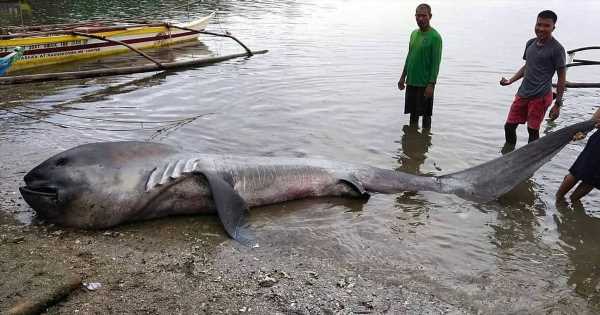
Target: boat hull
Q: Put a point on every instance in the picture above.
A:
(48, 50)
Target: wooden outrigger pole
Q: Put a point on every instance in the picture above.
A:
(120, 71)
(579, 85)
(120, 43)
(169, 25)
(572, 51)
(582, 62)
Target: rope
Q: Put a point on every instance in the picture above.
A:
(170, 124)
(220, 27)
(120, 121)
(218, 22)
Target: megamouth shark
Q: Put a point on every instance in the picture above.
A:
(100, 185)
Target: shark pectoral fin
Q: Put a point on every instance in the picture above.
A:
(231, 208)
(355, 185)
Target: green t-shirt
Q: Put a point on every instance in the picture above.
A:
(423, 58)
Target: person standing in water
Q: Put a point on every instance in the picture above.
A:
(421, 68)
(543, 56)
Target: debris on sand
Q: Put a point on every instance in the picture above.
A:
(38, 304)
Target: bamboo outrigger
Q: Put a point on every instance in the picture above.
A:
(120, 71)
(581, 62)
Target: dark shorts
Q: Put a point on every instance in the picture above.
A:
(587, 166)
(416, 103)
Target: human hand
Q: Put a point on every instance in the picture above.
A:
(579, 136)
(429, 91)
(504, 81)
(401, 85)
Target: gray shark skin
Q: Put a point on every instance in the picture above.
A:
(100, 185)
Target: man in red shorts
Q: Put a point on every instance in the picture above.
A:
(543, 56)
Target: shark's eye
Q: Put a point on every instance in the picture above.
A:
(61, 162)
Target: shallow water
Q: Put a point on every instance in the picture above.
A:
(327, 89)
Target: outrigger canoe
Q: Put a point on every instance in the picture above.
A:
(65, 43)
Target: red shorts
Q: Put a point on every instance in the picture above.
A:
(530, 110)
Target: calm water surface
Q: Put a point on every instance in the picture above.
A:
(327, 89)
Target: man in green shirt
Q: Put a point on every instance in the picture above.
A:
(421, 68)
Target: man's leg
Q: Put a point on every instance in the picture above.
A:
(516, 115)
(427, 110)
(426, 122)
(566, 185)
(581, 190)
(410, 101)
(510, 133)
(534, 134)
(414, 120)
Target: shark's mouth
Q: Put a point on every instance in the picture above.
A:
(47, 192)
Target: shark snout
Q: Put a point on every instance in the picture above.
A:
(41, 194)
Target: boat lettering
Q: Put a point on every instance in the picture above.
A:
(62, 53)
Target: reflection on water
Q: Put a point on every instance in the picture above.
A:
(517, 217)
(36, 12)
(581, 241)
(415, 145)
(54, 109)
(14, 12)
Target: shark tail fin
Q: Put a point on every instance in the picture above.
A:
(490, 180)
